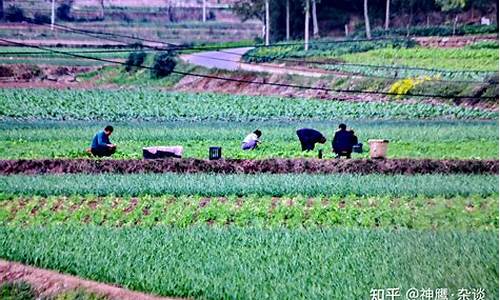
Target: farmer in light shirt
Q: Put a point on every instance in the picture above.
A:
(251, 141)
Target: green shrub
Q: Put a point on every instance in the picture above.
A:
(484, 45)
(63, 12)
(164, 64)
(134, 60)
(404, 86)
(79, 294)
(16, 291)
(14, 14)
(449, 89)
(41, 19)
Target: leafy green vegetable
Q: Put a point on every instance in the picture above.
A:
(471, 212)
(260, 185)
(250, 263)
(147, 105)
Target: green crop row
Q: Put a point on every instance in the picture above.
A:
(251, 263)
(320, 48)
(146, 104)
(259, 185)
(430, 139)
(389, 74)
(473, 213)
(432, 58)
(436, 30)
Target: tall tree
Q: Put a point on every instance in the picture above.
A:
(367, 20)
(268, 21)
(251, 9)
(315, 19)
(102, 9)
(387, 13)
(287, 20)
(204, 12)
(453, 6)
(306, 29)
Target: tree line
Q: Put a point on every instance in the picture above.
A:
(287, 19)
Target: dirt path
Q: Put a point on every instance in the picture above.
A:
(230, 60)
(48, 283)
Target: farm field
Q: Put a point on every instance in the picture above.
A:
(202, 262)
(272, 223)
(183, 234)
(296, 226)
(392, 59)
(408, 138)
(150, 105)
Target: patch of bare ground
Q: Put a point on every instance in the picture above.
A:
(10, 75)
(200, 85)
(49, 283)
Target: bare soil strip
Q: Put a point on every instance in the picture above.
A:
(277, 166)
(49, 283)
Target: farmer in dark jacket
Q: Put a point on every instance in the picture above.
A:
(101, 146)
(343, 140)
(309, 137)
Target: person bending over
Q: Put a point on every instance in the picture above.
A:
(343, 140)
(309, 137)
(251, 141)
(101, 146)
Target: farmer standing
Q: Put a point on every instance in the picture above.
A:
(309, 137)
(252, 140)
(101, 146)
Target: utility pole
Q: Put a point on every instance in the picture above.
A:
(267, 23)
(53, 16)
(204, 11)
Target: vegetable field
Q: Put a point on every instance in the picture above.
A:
(274, 222)
(151, 105)
(408, 139)
(249, 263)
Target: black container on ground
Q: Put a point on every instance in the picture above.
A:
(214, 153)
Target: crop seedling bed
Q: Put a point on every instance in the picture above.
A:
(466, 213)
(205, 184)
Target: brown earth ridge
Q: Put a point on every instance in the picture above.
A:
(50, 283)
(231, 166)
